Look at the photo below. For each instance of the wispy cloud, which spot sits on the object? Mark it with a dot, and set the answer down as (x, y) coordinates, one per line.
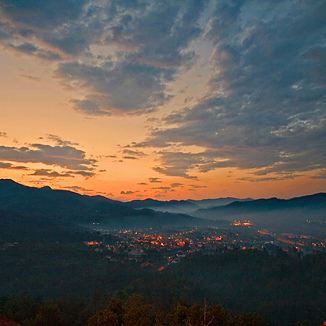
(59, 141)
(162, 188)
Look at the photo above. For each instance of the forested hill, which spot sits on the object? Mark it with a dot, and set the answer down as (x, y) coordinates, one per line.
(60, 204)
(316, 201)
(67, 206)
(182, 206)
(301, 215)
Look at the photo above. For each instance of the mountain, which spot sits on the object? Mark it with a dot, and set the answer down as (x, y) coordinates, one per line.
(291, 215)
(312, 201)
(59, 204)
(181, 206)
(30, 206)
(209, 203)
(172, 206)
(71, 208)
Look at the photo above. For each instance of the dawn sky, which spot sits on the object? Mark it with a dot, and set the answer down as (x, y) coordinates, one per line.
(164, 99)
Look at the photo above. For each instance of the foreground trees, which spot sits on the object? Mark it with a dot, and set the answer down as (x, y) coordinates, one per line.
(132, 311)
(283, 289)
(135, 312)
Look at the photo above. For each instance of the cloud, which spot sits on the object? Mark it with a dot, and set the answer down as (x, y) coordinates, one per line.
(177, 163)
(264, 106)
(264, 109)
(176, 184)
(9, 166)
(87, 191)
(129, 192)
(162, 188)
(49, 173)
(134, 153)
(27, 48)
(3, 134)
(320, 175)
(159, 196)
(277, 178)
(147, 44)
(64, 156)
(197, 186)
(59, 141)
(130, 158)
(155, 180)
(86, 174)
(78, 189)
(31, 50)
(142, 183)
(116, 88)
(42, 14)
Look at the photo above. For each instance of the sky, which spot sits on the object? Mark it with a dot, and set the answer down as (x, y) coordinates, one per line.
(178, 99)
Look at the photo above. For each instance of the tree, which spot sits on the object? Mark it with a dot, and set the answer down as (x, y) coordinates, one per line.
(21, 308)
(217, 315)
(50, 315)
(117, 307)
(248, 319)
(137, 313)
(104, 318)
(179, 315)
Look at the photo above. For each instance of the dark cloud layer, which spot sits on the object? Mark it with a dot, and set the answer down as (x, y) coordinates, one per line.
(148, 43)
(265, 110)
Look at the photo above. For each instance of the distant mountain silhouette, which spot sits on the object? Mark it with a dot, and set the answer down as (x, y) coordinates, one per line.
(33, 207)
(316, 201)
(59, 204)
(209, 203)
(182, 206)
(173, 206)
(301, 214)
(71, 208)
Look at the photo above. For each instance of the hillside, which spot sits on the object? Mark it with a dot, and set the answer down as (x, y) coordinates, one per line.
(182, 206)
(72, 208)
(301, 214)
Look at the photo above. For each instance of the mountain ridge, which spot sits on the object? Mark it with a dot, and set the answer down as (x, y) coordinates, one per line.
(73, 208)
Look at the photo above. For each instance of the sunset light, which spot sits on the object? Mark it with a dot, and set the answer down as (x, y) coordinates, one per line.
(162, 162)
(165, 100)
